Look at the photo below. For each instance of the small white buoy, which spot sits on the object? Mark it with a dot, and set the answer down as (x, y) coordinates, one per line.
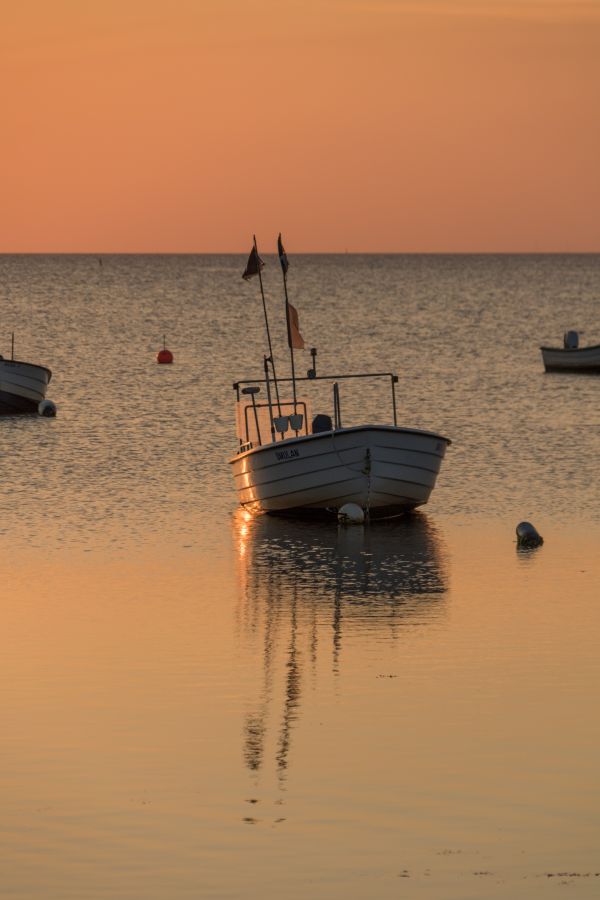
(528, 536)
(351, 514)
(47, 409)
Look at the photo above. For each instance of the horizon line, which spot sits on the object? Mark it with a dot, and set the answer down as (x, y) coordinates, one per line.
(301, 253)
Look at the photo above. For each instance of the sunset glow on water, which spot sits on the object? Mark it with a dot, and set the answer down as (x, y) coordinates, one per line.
(199, 702)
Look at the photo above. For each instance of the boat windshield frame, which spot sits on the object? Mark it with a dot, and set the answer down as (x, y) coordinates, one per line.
(246, 382)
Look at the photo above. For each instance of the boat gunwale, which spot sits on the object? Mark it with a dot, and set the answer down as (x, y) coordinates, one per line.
(21, 362)
(572, 350)
(302, 438)
(552, 368)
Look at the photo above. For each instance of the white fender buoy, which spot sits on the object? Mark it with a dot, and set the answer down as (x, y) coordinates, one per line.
(351, 514)
(47, 409)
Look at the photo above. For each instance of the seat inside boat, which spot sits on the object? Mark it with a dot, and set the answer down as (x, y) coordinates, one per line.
(321, 422)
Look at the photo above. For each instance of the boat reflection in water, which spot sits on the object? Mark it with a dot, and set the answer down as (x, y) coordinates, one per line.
(305, 587)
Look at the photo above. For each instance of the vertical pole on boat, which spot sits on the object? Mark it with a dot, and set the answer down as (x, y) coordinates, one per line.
(264, 303)
(270, 402)
(287, 319)
(284, 267)
(256, 420)
(287, 314)
(12, 346)
(337, 410)
(394, 383)
(253, 391)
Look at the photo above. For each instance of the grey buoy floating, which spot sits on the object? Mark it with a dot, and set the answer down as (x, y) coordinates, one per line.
(47, 409)
(528, 536)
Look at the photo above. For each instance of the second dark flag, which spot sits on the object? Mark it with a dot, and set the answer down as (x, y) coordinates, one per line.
(282, 256)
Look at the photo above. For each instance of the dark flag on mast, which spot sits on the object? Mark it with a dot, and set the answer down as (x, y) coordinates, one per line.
(282, 256)
(253, 266)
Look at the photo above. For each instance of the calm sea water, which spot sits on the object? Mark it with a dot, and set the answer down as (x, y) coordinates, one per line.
(201, 704)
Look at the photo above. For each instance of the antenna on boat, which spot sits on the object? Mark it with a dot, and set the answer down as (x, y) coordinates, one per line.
(254, 267)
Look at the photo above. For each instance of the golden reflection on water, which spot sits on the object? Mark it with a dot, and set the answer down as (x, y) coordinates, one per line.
(303, 584)
(406, 709)
(473, 669)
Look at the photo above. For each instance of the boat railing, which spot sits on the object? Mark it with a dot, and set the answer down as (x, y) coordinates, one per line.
(279, 420)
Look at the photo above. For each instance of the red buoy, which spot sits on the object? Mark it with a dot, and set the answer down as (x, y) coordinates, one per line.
(164, 355)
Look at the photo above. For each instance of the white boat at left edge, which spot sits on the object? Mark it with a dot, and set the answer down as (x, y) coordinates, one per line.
(23, 386)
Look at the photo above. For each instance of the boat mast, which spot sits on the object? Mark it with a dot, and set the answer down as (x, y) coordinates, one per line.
(284, 267)
(264, 303)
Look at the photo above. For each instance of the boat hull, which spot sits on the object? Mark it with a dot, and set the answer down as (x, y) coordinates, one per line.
(22, 386)
(384, 469)
(582, 359)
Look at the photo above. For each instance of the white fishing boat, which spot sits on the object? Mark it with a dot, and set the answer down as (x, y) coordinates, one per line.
(291, 462)
(317, 465)
(571, 357)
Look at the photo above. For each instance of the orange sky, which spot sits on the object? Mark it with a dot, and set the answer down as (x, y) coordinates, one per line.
(359, 125)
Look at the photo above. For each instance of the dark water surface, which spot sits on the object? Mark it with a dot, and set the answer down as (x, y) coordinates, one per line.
(201, 704)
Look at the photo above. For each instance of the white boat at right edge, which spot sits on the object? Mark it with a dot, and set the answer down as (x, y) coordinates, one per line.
(571, 357)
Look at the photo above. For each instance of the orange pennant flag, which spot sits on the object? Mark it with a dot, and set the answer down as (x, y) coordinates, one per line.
(295, 339)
